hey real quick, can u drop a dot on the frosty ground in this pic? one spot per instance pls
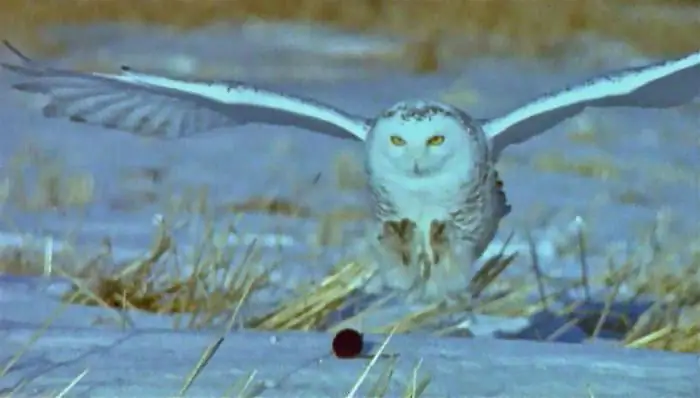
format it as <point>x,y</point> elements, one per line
<point>155,362</point>
<point>630,175</point>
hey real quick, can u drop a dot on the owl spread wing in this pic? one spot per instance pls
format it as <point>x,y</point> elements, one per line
<point>661,85</point>
<point>163,107</point>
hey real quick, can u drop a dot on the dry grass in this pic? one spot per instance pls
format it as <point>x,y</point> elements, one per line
<point>585,132</point>
<point>245,387</point>
<point>311,307</point>
<point>274,206</point>
<point>598,168</point>
<point>56,187</point>
<point>20,261</point>
<point>199,290</point>
<point>413,388</point>
<point>205,291</point>
<point>632,196</point>
<point>672,323</point>
<point>349,172</point>
<point>519,22</point>
<point>208,289</point>
<point>483,287</point>
<point>671,320</point>
<point>72,384</point>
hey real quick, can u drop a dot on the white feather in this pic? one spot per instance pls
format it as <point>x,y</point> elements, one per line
<point>153,105</point>
<point>234,93</point>
<point>661,85</point>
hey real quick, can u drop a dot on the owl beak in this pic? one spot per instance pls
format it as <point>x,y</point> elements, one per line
<point>416,169</point>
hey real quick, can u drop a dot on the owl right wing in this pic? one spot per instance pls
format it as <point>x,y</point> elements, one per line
<point>660,85</point>
<point>163,107</point>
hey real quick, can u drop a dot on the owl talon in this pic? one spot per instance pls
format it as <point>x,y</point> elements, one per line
<point>398,237</point>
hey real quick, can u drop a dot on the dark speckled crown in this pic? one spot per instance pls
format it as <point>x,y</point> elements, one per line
<point>420,110</point>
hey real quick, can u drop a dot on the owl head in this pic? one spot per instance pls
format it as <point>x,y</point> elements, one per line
<point>421,138</point>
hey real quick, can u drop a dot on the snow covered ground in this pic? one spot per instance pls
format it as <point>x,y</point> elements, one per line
<point>156,362</point>
<point>621,171</point>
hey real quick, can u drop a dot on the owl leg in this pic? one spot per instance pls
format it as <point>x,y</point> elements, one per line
<point>431,249</point>
<point>395,254</point>
<point>452,260</point>
<point>425,265</point>
<point>438,242</point>
<point>398,236</point>
<point>401,237</point>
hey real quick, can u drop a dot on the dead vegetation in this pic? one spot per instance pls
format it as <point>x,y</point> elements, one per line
<point>19,261</point>
<point>205,294</point>
<point>56,186</point>
<point>599,168</point>
<point>275,206</point>
<point>503,26</point>
<point>349,172</point>
<point>209,287</point>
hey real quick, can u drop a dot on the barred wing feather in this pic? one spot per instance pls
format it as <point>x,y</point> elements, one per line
<point>661,85</point>
<point>164,107</point>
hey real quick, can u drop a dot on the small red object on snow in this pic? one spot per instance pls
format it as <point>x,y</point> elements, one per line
<point>347,343</point>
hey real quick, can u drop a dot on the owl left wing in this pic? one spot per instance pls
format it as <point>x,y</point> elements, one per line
<point>660,85</point>
<point>164,107</point>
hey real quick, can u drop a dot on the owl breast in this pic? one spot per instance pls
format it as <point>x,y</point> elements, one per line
<point>471,203</point>
<point>420,200</point>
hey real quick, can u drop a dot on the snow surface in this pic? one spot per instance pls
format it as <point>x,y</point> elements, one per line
<point>654,153</point>
<point>152,360</point>
<point>154,363</point>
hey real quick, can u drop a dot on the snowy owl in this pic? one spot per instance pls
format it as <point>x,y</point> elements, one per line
<point>431,166</point>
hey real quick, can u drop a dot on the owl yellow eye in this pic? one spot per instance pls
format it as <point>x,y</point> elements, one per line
<point>435,140</point>
<point>398,141</point>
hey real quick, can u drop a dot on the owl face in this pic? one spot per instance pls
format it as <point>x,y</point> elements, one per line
<point>419,138</point>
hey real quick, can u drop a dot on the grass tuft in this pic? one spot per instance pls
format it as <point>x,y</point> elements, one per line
<point>210,286</point>
<point>415,388</point>
<point>20,261</point>
<point>274,206</point>
<point>590,168</point>
<point>311,306</point>
<point>53,185</point>
<point>670,324</point>
<point>206,294</point>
